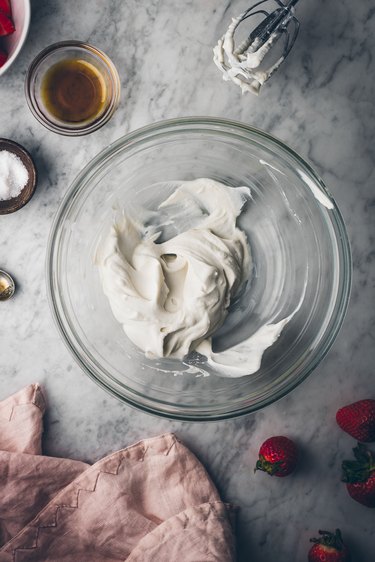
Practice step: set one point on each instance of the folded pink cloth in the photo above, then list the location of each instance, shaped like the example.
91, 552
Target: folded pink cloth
151, 502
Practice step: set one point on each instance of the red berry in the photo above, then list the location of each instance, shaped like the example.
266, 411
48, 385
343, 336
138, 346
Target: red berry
3, 58
6, 24
329, 547
277, 456
359, 476
358, 419
363, 492
6, 7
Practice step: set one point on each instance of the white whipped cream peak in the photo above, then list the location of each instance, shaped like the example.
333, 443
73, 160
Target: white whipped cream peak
172, 295
169, 296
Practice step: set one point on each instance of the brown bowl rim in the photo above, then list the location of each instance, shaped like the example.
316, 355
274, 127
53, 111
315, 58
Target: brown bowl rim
11, 205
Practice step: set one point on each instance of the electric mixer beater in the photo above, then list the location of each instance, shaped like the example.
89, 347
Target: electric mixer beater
252, 62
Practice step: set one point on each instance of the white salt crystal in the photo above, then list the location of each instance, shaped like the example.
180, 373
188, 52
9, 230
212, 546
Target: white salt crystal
13, 175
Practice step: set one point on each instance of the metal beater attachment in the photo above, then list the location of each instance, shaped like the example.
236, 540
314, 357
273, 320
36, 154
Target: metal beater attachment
253, 61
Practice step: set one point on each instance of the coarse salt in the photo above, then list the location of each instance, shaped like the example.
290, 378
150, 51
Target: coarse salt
13, 175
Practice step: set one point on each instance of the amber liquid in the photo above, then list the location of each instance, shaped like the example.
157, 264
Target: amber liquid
74, 91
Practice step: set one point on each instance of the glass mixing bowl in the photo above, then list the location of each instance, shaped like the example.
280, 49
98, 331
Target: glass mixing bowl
299, 248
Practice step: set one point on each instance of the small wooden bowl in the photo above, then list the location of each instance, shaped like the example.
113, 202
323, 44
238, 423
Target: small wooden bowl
12, 205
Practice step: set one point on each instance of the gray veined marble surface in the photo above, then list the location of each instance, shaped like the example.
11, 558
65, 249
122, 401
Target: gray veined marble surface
322, 104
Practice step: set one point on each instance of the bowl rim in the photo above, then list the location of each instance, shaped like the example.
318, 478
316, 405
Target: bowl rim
91, 126
14, 204
22, 39
154, 129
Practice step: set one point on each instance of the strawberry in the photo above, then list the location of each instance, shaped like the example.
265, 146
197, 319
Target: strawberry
359, 476
277, 456
6, 7
358, 419
3, 58
6, 24
329, 547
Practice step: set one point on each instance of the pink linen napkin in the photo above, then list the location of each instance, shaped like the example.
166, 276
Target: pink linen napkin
152, 501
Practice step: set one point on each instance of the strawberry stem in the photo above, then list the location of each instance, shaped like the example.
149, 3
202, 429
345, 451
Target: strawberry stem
266, 466
360, 469
333, 540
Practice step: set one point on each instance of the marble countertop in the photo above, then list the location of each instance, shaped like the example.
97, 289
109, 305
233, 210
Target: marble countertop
321, 103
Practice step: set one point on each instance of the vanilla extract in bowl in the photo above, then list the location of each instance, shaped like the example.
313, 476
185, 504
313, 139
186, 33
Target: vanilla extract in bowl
74, 91
72, 88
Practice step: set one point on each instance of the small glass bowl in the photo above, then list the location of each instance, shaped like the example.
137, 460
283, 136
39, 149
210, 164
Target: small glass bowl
71, 50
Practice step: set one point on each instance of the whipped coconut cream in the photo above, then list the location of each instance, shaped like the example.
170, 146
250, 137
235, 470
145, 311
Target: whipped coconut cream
244, 358
171, 296
241, 64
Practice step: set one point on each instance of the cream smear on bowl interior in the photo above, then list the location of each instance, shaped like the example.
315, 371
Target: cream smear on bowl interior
171, 275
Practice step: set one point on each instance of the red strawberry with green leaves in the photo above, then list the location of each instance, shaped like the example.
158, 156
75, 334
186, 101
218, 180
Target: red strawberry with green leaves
6, 24
5, 6
329, 547
278, 456
3, 58
358, 419
359, 476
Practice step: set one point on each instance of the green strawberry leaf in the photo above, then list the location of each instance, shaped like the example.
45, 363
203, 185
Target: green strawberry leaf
333, 540
362, 468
